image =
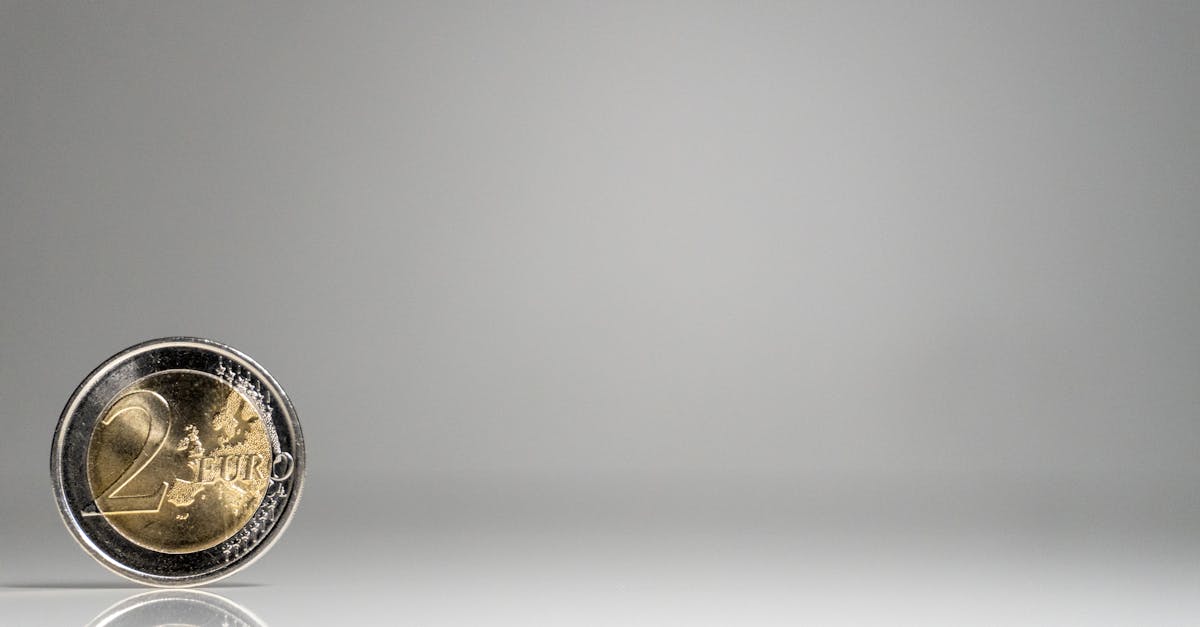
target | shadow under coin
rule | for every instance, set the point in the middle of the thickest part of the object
(176, 607)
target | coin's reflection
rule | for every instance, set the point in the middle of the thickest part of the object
(176, 607)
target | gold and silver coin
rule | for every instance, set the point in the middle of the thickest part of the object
(177, 462)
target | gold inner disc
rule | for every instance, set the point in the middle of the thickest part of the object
(179, 462)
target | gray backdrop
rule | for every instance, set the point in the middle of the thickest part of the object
(637, 312)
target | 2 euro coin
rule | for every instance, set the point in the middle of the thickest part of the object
(177, 462)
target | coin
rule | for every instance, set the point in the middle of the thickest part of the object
(177, 462)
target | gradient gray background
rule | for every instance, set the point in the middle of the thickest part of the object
(661, 313)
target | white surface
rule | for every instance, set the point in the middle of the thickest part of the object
(702, 580)
(498, 560)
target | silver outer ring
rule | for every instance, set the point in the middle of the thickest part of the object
(91, 399)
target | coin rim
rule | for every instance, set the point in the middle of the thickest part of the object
(287, 417)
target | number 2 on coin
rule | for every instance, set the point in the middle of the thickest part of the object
(155, 410)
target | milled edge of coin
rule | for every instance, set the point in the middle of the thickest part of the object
(88, 402)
